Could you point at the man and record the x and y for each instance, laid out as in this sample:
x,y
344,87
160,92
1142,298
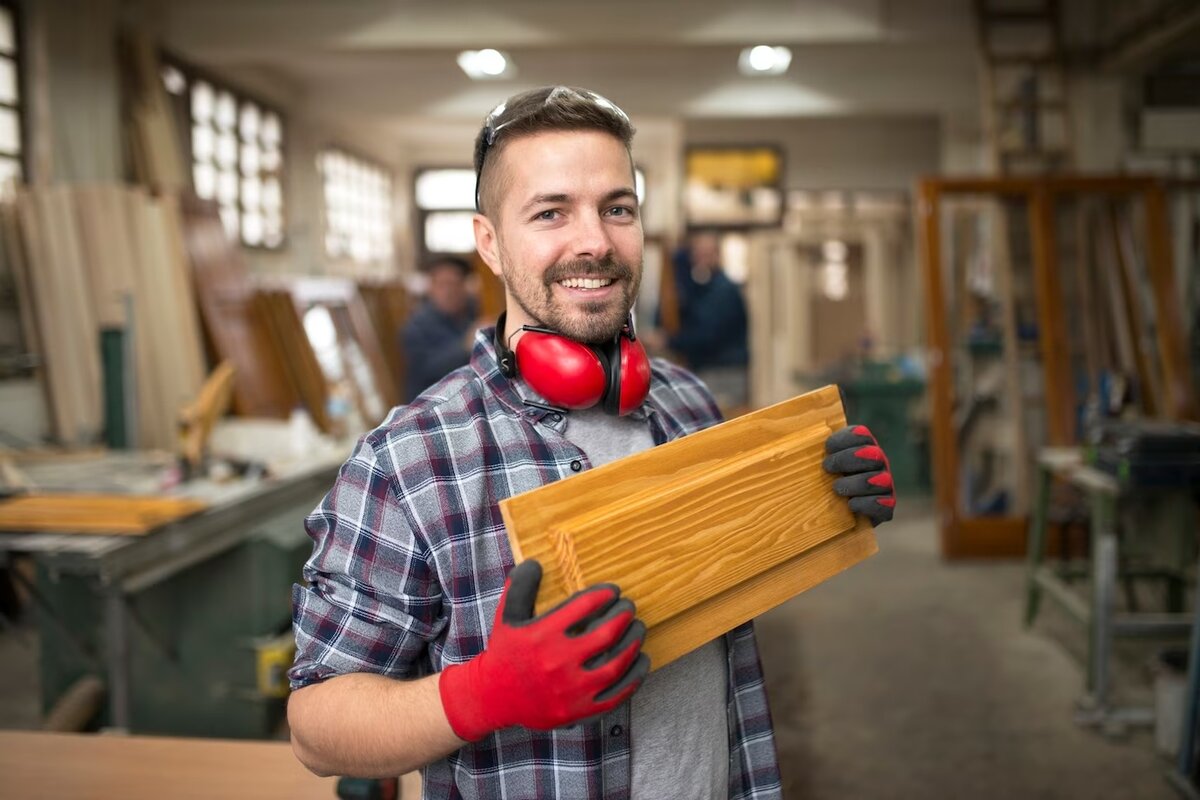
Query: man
x,y
437,338
712,322
416,640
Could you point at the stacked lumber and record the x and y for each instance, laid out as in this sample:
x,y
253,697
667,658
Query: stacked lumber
x,y
286,330
231,316
154,142
87,259
387,305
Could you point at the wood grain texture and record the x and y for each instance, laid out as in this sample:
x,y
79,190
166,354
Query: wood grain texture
x,y
702,533
126,515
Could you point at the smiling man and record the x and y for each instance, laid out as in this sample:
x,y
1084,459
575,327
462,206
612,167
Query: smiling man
x,y
417,642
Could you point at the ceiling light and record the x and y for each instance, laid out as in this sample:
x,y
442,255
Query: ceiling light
x,y
485,64
764,59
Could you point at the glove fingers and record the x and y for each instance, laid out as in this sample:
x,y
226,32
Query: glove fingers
x,y
636,632
877,509
854,436
620,691
855,459
864,484
520,594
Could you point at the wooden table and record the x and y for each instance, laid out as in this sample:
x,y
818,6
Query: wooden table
x,y
52,766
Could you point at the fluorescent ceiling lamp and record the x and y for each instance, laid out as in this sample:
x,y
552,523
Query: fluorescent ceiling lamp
x,y
486,64
764,59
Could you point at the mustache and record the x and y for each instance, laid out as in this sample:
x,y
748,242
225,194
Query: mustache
x,y
607,267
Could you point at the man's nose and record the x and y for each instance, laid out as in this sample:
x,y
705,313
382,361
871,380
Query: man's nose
x,y
591,237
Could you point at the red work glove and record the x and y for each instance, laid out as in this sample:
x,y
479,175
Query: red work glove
x,y
855,454
578,660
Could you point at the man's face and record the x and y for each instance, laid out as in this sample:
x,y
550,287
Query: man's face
x,y
706,251
566,234
447,289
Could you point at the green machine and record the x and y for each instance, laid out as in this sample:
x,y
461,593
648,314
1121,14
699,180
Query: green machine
x,y
884,400
191,634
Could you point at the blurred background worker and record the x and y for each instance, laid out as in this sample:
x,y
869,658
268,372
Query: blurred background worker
x,y
712,321
437,337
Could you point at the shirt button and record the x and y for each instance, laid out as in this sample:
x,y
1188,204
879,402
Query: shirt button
x,y
617,730
576,466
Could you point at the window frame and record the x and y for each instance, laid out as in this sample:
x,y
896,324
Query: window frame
x,y
22,66
357,155
183,108
425,255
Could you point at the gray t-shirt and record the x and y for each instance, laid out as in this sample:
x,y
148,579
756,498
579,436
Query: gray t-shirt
x,y
679,731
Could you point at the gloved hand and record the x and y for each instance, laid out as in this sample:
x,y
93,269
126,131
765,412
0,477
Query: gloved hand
x,y
854,453
578,660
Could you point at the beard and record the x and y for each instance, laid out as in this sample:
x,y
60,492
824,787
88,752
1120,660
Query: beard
x,y
588,322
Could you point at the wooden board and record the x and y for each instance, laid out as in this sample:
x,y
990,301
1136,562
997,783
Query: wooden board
x,y
51,766
117,514
278,309
702,533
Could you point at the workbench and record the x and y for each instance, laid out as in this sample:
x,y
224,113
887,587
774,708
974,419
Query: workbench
x,y
100,576
1097,610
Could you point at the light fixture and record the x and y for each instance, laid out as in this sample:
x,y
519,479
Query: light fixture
x,y
764,59
486,64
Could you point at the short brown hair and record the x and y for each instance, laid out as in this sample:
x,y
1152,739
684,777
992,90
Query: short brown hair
x,y
550,108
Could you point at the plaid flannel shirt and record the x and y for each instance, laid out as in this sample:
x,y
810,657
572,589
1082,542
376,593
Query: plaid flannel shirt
x,y
409,560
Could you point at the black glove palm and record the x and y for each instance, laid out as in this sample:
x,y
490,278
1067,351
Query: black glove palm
x,y
854,454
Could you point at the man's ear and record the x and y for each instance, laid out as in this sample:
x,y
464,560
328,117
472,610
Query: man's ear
x,y
486,243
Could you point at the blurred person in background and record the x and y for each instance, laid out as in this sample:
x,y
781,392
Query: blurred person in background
x,y
713,326
437,338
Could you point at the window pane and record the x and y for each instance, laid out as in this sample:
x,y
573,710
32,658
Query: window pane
x,y
450,232
248,123
251,194
446,189
252,228
173,80
272,198
202,102
227,186
227,150
10,171
270,160
250,160
272,130
8,37
226,111
9,93
10,132
205,178
202,143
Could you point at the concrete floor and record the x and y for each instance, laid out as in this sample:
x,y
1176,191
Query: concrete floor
x,y
905,677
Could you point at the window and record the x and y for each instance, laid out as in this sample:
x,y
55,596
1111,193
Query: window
x,y
358,207
445,200
11,100
237,157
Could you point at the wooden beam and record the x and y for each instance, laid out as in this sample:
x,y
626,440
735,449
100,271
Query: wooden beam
x,y
1179,402
116,514
1131,300
941,393
703,533
1052,332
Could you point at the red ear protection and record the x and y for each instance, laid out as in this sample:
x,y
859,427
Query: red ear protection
x,y
571,374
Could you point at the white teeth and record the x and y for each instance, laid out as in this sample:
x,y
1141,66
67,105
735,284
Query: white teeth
x,y
585,283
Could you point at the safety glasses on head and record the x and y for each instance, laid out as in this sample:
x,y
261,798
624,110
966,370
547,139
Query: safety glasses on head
x,y
497,121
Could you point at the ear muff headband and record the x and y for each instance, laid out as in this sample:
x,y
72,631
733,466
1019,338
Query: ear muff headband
x,y
574,375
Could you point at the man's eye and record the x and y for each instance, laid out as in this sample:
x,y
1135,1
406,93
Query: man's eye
x,y
620,211
549,214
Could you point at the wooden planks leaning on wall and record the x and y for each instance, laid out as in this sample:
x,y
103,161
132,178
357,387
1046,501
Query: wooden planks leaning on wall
x,y
702,533
90,256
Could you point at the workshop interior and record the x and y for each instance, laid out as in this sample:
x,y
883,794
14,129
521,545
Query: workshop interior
x,y
221,222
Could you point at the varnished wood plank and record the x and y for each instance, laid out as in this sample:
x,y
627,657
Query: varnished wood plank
x,y
126,515
693,531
